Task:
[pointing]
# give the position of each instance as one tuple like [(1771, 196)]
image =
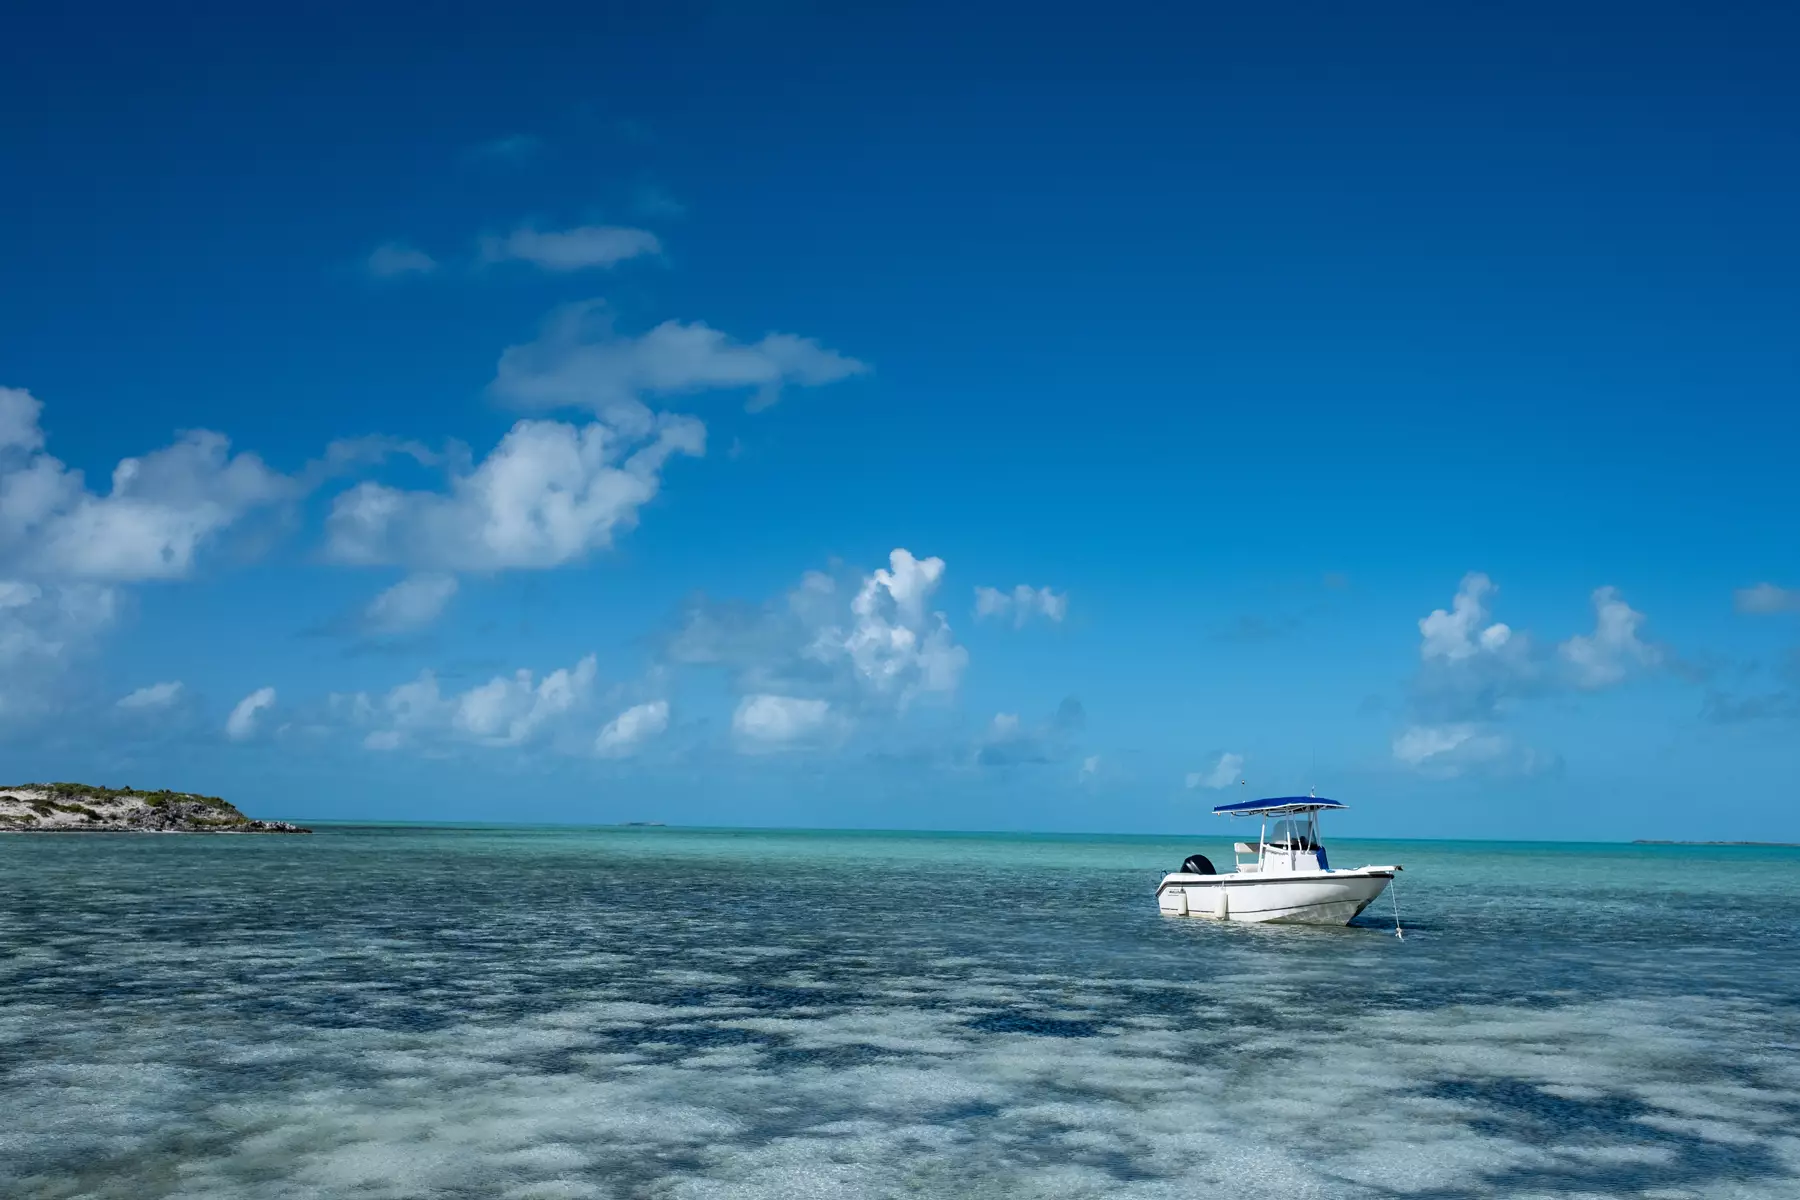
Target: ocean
[(525, 1012)]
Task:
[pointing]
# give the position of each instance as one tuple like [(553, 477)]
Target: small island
[(1764, 845), (83, 808)]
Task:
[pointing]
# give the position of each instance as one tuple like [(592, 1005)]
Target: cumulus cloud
[(391, 260), (868, 644), (242, 722), (626, 733), (769, 722), (507, 710), (152, 698), (548, 494), (1021, 604), (896, 647), (581, 361), (413, 603), (1607, 655), (1470, 667), (1463, 632), (1473, 671), (570, 249), (1765, 598), (161, 509), (1222, 774)]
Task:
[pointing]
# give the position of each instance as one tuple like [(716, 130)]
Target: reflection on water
[(662, 1013)]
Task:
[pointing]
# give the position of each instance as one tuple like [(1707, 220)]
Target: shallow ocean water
[(404, 1012)]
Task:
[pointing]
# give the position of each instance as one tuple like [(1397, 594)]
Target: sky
[(934, 416)]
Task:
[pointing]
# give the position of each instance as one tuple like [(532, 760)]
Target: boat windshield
[(1293, 835)]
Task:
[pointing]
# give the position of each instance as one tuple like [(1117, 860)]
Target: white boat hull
[(1295, 898)]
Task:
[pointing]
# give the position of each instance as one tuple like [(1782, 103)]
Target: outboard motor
[(1197, 864)]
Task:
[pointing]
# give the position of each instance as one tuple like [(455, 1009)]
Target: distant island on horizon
[(85, 808), (1677, 842)]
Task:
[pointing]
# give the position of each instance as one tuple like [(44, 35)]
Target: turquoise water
[(667, 1013)]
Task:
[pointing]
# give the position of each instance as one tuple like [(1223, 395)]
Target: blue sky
[(615, 413)]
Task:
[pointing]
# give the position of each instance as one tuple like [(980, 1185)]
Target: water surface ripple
[(664, 1013)]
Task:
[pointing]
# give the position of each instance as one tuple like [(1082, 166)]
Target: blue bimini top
[(1278, 804)]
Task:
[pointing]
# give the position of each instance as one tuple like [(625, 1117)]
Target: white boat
[(1284, 877)]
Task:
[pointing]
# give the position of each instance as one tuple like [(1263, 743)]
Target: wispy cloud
[(581, 361), (576, 249), (1764, 599), (241, 725), (1009, 742), (392, 260), (155, 696), (653, 202), (628, 732), (1021, 604), (1445, 751), (1222, 774), (413, 603)]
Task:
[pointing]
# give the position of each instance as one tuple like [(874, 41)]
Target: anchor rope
[(1394, 892)]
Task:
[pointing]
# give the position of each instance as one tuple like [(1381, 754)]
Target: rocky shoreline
[(83, 808)]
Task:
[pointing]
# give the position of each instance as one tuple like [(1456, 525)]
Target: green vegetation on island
[(86, 808)]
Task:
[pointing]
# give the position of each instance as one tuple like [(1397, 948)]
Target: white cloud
[(242, 722), (1090, 766), (507, 710), (19, 412), (1607, 655), (571, 249), (547, 495), (1222, 774), (413, 603), (38, 622), (392, 260), (869, 646), (161, 509), (770, 722), (627, 732), (43, 630), (581, 361), (1766, 598), (1448, 750), (1421, 742), (156, 696), (1471, 668), (896, 647), (1460, 633), (1473, 672), (1022, 603)]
